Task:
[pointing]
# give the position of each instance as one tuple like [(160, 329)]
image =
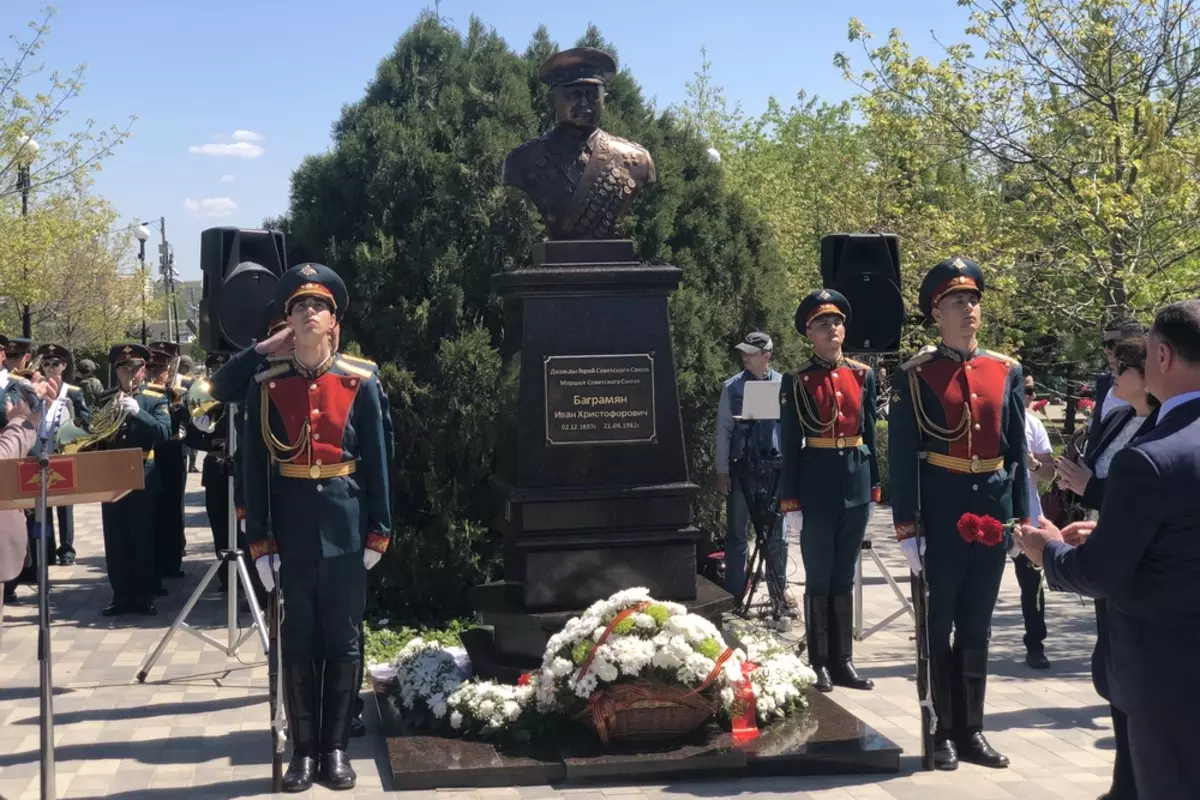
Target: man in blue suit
[(1143, 557)]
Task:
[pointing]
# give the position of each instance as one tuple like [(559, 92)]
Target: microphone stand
[(45, 444)]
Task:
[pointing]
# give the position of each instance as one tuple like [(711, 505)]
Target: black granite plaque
[(600, 399)]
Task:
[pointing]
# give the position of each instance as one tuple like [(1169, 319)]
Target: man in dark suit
[(1143, 557)]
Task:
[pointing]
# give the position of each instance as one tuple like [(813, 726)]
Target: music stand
[(43, 482)]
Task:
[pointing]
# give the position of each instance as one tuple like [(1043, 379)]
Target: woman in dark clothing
[(1087, 480)]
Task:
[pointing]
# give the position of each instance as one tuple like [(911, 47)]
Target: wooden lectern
[(99, 477)]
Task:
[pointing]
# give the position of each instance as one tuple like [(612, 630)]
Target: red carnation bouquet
[(983, 529)]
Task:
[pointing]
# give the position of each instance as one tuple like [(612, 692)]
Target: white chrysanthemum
[(456, 720)]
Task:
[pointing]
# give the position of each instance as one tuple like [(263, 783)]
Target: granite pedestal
[(590, 490), (825, 740)]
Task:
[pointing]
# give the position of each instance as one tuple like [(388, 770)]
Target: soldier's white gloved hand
[(912, 555), (792, 522), (371, 557), (264, 567), (128, 404)]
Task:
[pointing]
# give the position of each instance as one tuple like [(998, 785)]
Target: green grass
[(382, 643)]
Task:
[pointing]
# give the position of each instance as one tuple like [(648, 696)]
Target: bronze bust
[(581, 179)]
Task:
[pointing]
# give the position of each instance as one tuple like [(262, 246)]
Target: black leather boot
[(816, 634), (841, 645), (338, 691), (972, 746), (941, 683), (300, 700)]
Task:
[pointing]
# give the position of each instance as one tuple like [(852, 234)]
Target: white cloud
[(238, 149), (246, 136), (210, 206), (226, 179)]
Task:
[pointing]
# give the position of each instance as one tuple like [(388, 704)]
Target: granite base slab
[(825, 740)]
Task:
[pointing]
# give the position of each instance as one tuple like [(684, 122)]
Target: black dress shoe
[(847, 676), (300, 773), (974, 749), (358, 728), (337, 772), (145, 609), (176, 574), (1037, 660), (161, 591), (115, 610), (945, 755), (824, 682)]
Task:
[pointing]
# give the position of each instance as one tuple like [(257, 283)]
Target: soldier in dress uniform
[(58, 362), (169, 536), (830, 473), (316, 471), (17, 353), (129, 522), (581, 178), (956, 445)]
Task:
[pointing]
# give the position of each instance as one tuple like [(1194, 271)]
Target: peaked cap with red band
[(818, 304), (312, 280), (952, 275)]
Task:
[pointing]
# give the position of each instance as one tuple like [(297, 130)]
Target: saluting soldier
[(170, 539), (956, 445), (59, 363), (830, 473), (129, 522), (316, 475)]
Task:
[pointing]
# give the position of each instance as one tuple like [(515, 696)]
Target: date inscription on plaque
[(605, 399)]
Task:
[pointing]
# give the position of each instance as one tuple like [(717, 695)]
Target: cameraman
[(734, 441)]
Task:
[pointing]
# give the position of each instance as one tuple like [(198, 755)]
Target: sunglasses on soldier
[(53, 362)]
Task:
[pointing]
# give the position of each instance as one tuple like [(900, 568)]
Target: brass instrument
[(27, 372), (202, 408), (107, 419)]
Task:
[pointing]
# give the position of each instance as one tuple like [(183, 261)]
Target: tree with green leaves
[(1085, 116), (409, 208)]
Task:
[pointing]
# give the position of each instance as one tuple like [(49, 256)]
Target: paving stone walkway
[(199, 728)]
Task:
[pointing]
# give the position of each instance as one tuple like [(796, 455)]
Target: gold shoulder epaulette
[(152, 393), (923, 357), (360, 361), (357, 370), (271, 372), (71, 388), (1000, 357), (857, 364), (157, 387)]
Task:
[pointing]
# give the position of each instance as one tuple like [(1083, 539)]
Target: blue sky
[(214, 79)]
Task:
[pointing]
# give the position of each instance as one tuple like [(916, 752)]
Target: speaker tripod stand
[(232, 559)]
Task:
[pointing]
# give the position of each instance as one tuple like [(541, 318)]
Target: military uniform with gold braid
[(170, 536), (831, 473), (956, 444), (83, 416), (129, 522), (316, 469)]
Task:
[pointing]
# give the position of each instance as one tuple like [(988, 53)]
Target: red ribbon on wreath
[(983, 529), (744, 726)]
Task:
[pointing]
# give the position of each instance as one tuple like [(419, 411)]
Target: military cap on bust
[(577, 65), (170, 348), (312, 280), (272, 321), (17, 346), (952, 275), (86, 367), (131, 354), (215, 360), (818, 303)]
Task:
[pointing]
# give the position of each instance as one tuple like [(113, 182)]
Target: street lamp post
[(142, 234), (26, 153)]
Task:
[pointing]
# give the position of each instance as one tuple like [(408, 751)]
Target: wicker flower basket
[(645, 711)]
